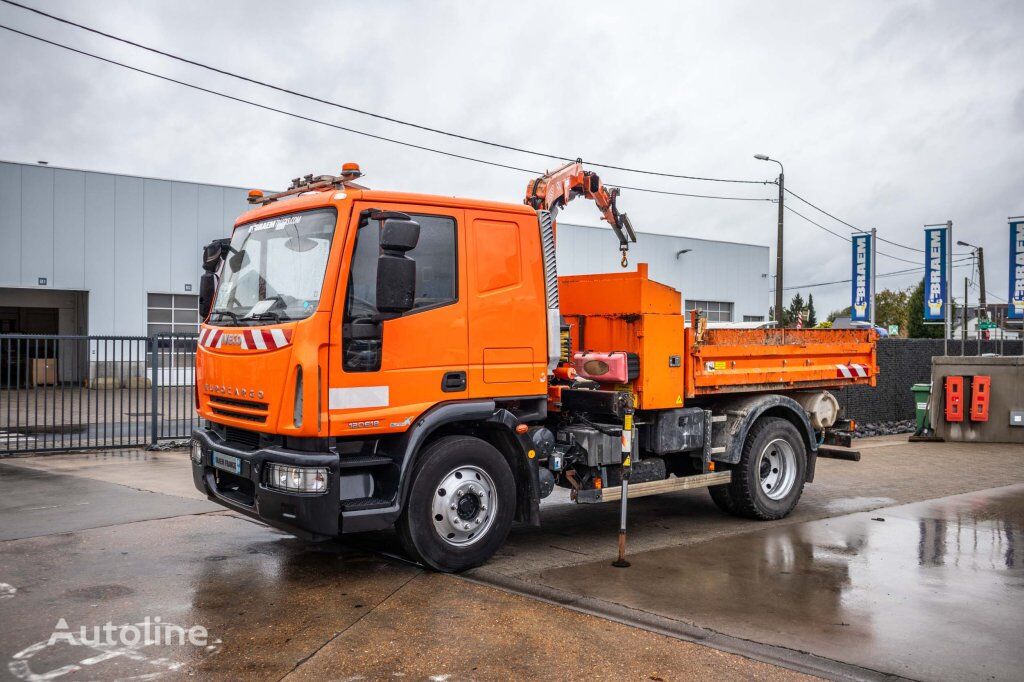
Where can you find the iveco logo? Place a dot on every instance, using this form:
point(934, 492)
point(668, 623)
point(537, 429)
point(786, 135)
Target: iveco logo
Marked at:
point(231, 340)
point(237, 391)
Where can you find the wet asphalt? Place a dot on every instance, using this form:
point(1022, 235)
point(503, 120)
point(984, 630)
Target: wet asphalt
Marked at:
point(927, 584)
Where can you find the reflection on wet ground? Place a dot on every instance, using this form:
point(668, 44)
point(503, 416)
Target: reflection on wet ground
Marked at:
point(931, 590)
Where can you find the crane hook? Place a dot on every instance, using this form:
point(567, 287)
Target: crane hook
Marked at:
point(625, 260)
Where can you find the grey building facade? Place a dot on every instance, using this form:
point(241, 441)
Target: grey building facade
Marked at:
point(85, 252)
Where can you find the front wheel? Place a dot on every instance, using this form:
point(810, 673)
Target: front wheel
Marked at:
point(768, 480)
point(461, 504)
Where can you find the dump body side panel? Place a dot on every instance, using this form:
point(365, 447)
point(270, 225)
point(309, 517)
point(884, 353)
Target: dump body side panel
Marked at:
point(743, 360)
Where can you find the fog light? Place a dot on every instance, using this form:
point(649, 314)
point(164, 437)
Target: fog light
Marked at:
point(297, 479)
point(197, 452)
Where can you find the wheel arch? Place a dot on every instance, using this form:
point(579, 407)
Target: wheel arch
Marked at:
point(490, 423)
point(741, 415)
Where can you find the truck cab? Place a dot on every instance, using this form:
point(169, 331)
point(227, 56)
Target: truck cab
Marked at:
point(349, 326)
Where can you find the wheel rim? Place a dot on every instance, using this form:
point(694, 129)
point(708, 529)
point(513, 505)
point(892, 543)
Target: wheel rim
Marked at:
point(776, 467)
point(464, 506)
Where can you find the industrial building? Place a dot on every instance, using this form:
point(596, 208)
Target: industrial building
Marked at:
point(85, 252)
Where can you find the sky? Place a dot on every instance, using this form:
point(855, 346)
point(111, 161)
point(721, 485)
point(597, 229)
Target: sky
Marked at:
point(886, 114)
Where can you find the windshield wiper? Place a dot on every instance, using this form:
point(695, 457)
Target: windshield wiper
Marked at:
point(278, 317)
point(228, 313)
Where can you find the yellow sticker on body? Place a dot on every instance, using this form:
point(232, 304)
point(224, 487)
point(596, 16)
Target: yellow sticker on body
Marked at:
point(720, 364)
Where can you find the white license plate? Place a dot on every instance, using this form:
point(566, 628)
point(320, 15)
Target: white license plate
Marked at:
point(227, 463)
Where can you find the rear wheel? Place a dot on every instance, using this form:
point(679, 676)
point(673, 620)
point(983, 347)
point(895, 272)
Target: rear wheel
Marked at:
point(768, 480)
point(461, 504)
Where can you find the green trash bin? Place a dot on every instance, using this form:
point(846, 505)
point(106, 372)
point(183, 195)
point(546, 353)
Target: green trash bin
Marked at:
point(921, 393)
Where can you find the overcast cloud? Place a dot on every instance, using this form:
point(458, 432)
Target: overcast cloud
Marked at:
point(888, 114)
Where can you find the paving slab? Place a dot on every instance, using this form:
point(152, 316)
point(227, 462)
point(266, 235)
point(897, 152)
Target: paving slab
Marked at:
point(158, 471)
point(931, 590)
point(34, 503)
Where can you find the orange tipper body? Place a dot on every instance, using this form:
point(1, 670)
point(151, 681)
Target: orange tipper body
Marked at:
point(630, 312)
point(375, 359)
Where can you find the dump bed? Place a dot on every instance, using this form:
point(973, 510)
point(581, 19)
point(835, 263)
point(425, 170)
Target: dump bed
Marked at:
point(629, 312)
point(743, 360)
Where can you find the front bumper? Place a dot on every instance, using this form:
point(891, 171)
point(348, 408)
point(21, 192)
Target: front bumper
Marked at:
point(306, 515)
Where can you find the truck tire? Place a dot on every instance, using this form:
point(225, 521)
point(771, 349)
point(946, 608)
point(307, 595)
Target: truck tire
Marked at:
point(768, 480)
point(461, 504)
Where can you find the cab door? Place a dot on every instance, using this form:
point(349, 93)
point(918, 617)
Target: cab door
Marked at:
point(381, 380)
point(507, 313)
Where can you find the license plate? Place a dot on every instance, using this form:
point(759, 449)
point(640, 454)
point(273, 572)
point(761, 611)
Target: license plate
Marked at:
point(227, 463)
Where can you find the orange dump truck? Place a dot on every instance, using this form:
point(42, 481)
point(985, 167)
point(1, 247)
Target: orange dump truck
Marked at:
point(373, 359)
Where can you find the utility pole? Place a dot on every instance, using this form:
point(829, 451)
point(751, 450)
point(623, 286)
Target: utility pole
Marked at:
point(963, 334)
point(778, 245)
point(982, 310)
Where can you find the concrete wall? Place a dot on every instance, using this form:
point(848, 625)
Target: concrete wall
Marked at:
point(116, 237)
point(1006, 394)
point(903, 363)
point(711, 271)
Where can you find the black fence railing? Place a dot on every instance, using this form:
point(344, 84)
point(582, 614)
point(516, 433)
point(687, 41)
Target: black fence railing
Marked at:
point(75, 392)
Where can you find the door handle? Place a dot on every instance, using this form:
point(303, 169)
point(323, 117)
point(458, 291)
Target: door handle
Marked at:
point(453, 381)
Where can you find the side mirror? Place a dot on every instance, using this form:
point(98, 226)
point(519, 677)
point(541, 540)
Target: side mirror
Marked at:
point(207, 288)
point(399, 234)
point(396, 272)
point(215, 252)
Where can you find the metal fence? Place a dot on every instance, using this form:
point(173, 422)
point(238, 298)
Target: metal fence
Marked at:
point(74, 392)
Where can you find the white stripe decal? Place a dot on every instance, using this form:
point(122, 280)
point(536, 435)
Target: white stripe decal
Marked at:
point(257, 340)
point(860, 369)
point(279, 339)
point(203, 335)
point(844, 371)
point(357, 397)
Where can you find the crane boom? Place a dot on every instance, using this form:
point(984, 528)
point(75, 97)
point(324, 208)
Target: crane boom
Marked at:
point(553, 190)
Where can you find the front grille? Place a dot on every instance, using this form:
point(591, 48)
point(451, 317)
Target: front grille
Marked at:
point(243, 437)
point(258, 418)
point(235, 402)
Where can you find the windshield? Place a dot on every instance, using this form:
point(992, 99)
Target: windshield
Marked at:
point(275, 268)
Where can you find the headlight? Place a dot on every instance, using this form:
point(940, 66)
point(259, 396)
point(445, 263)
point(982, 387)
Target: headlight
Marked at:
point(297, 479)
point(197, 452)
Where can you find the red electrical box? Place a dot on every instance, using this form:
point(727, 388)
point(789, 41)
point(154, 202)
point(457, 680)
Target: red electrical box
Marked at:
point(954, 399)
point(980, 386)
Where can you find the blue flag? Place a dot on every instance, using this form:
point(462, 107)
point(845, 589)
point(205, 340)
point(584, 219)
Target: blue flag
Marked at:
point(935, 285)
point(860, 301)
point(1015, 307)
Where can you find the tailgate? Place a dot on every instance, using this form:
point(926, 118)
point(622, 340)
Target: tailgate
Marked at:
point(748, 360)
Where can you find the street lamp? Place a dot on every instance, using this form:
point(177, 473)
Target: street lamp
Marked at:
point(979, 254)
point(778, 246)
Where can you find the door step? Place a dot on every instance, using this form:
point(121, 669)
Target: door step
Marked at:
point(654, 487)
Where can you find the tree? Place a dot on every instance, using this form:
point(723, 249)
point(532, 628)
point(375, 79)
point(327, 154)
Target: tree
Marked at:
point(916, 328)
point(892, 307)
point(842, 312)
point(812, 315)
point(796, 306)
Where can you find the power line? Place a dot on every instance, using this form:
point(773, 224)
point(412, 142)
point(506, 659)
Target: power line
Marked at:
point(852, 227)
point(371, 114)
point(957, 264)
point(846, 239)
point(335, 125)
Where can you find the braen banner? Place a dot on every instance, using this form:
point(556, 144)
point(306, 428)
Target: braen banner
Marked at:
point(1015, 309)
point(935, 286)
point(860, 301)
